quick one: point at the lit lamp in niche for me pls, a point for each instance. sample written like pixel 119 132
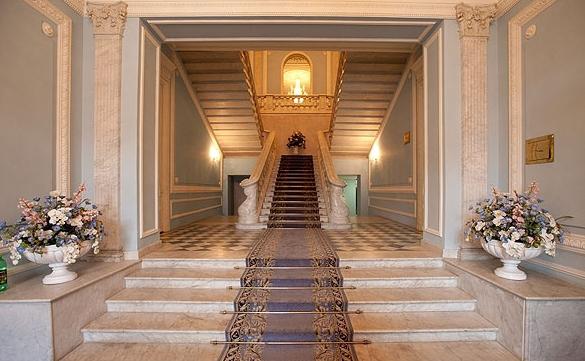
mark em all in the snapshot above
pixel 296 77
pixel 214 153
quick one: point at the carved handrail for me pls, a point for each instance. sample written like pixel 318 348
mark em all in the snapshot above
pixel 336 95
pixel 256 186
pixel 332 185
pixel 278 103
pixel 250 80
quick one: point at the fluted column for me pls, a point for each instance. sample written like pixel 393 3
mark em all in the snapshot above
pixel 109 20
pixel 474 30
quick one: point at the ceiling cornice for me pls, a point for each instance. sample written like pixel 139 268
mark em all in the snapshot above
pixel 437 9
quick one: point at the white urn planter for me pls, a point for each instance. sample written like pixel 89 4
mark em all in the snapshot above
pixel 54 256
pixel 510 269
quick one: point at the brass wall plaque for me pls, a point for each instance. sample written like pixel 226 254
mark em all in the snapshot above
pixel 540 150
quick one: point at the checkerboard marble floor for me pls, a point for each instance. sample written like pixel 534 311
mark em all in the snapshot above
pixel 383 235
pixel 209 237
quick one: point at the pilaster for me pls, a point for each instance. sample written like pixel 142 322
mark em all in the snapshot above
pixel 474 30
pixel 109 20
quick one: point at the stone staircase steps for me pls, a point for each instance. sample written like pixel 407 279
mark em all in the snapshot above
pixel 174 327
pixel 398 262
pixel 409 299
pixel 168 327
pixel 398 277
pixel 205 300
pixel 422 327
pixel 184 278
pixel 163 262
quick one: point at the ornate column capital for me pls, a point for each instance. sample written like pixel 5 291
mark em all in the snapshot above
pixel 474 21
pixel 107 18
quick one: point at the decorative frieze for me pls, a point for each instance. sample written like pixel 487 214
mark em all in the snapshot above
pixel 108 21
pixel 295 103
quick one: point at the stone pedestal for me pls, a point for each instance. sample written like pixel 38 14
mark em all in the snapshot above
pixel 108 21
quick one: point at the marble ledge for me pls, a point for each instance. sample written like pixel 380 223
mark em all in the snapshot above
pixel 538 286
pixel 27 287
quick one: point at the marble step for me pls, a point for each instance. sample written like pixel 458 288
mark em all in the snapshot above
pixel 97 351
pixel 167 327
pixel 404 351
pixel 293 224
pixel 184 278
pixel 289 198
pixel 412 262
pixel 203 300
pixel 398 277
pixel 377 327
pixel 186 262
pixel 410 299
pixel 293 204
pixel 431 351
pixel 422 327
pixel 268 211
pixel 266 218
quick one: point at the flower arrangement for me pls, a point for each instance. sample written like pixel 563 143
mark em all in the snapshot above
pixel 516 220
pixel 297 139
pixel 58 220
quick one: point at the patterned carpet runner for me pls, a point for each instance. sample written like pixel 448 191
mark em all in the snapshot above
pixel 291 305
pixel 295 203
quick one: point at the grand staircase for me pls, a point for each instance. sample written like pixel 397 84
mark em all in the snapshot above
pixel 173 307
pixel 293 197
pixel 223 83
pixel 366 85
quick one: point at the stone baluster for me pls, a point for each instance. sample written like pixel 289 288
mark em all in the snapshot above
pixel 474 29
pixel 109 20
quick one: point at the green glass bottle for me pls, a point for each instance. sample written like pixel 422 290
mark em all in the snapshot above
pixel 3 275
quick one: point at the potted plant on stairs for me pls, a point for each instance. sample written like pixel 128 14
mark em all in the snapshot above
pixel 514 227
pixel 55 231
pixel 296 141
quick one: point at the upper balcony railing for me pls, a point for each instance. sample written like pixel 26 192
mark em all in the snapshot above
pixel 275 103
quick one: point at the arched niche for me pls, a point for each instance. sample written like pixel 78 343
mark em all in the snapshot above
pixel 297 74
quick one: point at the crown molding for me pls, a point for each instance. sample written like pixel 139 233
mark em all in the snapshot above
pixel 437 9
pixel 77 5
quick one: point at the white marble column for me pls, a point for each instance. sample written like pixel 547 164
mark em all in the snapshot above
pixel 108 21
pixel 474 29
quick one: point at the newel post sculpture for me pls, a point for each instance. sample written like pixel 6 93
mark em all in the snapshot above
pixel 109 20
pixel 248 210
pixel 474 30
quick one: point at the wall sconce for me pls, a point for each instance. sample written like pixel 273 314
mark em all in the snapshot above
pixel 214 153
pixel 375 152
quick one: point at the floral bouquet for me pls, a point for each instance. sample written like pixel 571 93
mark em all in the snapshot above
pixel 57 220
pixel 516 220
pixel 297 139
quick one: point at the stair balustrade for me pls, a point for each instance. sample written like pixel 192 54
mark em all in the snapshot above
pixel 332 188
pixel 336 93
pixel 256 186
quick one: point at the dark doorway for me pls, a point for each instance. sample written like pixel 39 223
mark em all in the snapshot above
pixel 235 193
